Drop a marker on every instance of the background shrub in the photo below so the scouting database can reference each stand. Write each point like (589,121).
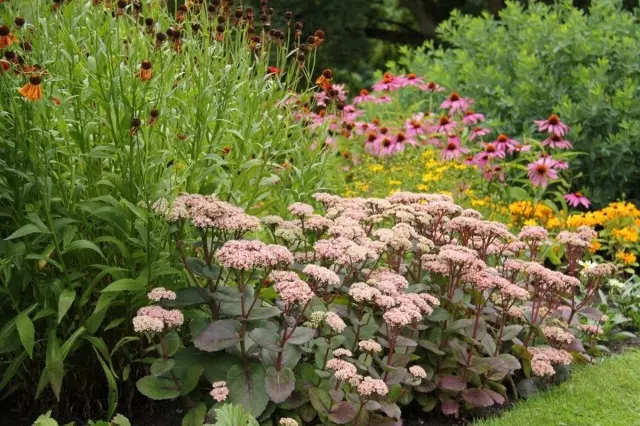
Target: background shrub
(541,58)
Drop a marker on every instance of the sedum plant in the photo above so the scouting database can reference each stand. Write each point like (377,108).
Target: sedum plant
(107,106)
(345,317)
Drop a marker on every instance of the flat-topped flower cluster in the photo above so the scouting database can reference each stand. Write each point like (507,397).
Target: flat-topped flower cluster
(377,302)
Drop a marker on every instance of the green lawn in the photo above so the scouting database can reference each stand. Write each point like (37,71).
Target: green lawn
(605,394)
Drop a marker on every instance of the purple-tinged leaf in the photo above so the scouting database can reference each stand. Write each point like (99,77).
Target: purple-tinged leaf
(452,383)
(450,408)
(218,335)
(279,384)
(343,413)
(477,398)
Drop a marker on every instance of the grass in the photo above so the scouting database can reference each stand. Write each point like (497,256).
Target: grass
(604,394)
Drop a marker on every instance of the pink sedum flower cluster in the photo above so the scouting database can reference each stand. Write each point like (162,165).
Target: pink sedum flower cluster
(156,319)
(219,391)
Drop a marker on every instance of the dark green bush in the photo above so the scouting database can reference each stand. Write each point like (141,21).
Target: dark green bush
(540,59)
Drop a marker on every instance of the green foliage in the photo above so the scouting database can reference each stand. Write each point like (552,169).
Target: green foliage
(542,59)
(233,415)
(81,168)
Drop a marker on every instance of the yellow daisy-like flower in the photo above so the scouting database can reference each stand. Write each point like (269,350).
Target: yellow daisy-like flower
(595,246)
(626,257)
(376,168)
(392,182)
(628,233)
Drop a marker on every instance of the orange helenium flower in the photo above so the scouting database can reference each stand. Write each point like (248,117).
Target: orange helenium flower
(145,70)
(32,90)
(6,37)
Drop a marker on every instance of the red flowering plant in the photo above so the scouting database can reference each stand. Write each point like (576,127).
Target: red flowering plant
(349,315)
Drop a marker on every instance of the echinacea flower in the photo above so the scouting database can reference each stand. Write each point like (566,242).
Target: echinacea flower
(6,37)
(415,126)
(471,117)
(504,142)
(432,87)
(478,132)
(33,89)
(541,171)
(388,83)
(445,125)
(453,149)
(552,125)
(576,198)
(557,141)
(410,80)
(456,103)
(364,97)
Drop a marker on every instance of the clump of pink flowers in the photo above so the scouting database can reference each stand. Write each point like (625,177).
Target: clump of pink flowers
(219,391)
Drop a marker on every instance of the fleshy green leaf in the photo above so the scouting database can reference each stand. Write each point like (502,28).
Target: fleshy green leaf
(247,388)
(279,384)
(157,388)
(218,335)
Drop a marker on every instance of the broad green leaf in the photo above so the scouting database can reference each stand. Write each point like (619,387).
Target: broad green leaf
(266,338)
(247,388)
(124,284)
(65,301)
(279,384)
(301,335)
(83,245)
(26,331)
(27,230)
(161,366)
(195,416)
(157,388)
(218,335)
(54,366)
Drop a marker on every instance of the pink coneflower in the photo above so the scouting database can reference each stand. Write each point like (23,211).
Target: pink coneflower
(410,80)
(453,149)
(576,198)
(541,171)
(504,142)
(492,172)
(560,165)
(557,141)
(402,138)
(351,113)
(478,132)
(362,128)
(388,83)
(415,126)
(385,146)
(432,87)
(456,103)
(552,125)
(518,147)
(490,151)
(445,125)
(384,99)
(364,97)
(471,117)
